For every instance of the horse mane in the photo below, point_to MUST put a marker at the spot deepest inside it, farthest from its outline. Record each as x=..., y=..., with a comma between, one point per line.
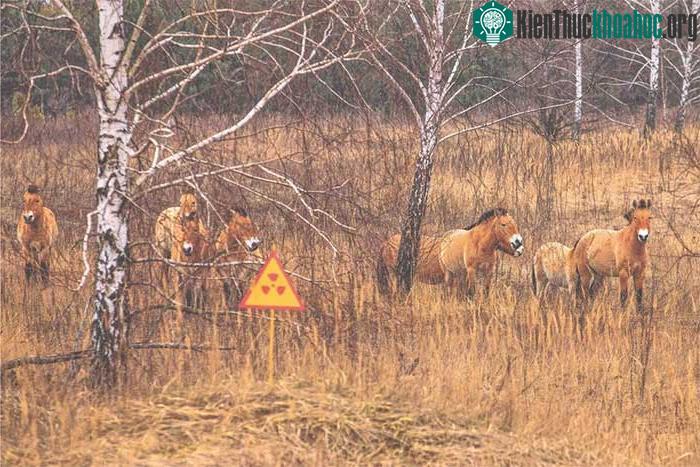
x=33, y=189
x=488, y=215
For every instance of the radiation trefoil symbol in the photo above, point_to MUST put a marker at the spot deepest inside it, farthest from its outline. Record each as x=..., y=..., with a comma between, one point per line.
x=493, y=23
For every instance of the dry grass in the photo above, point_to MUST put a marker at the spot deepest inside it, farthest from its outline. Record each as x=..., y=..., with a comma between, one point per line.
x=500, y=380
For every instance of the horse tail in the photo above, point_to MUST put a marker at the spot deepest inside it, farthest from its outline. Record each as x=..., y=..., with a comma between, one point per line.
x=533, y=278
x=382, y=275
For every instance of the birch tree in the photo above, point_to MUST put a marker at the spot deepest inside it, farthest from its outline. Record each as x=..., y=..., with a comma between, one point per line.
x=654, y=69
x=578, y=104
x=688, y=69
x=140, y=71
x=425, y=65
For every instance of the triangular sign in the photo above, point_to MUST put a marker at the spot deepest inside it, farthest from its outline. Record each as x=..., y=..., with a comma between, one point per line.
x=271, y=289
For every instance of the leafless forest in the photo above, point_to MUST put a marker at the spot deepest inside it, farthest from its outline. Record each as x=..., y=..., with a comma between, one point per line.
x=333, y=125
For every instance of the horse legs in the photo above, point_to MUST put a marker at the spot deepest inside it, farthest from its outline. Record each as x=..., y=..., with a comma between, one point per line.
x=624, y=286
x=449, y=283
x=470, y=278
x=28, y=270
x=639, y=291
x=488, y=279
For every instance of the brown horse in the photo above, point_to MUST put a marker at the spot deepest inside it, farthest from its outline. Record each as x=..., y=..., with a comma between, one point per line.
x=473, y=250
x=458, y=251
x=553, y=266
x=169, y=218
x=36, y=231
x=190, y=245
x=237, y=242
x=616, y=253
x=428, y=268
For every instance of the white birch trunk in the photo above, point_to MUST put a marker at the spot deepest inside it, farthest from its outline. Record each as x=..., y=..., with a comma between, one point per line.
x=578, y=104
x=654, y=64
x=687, y=61
x=109, y=323
x=418, y=199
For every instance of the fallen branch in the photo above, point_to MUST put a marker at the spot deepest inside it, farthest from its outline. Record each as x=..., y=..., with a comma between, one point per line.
x=176, y=346
x=44, y=359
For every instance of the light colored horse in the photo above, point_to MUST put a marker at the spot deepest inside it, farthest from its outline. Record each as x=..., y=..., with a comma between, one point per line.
x=616, y=253
x=553, y=266
x=36, y=232
x=472, y=251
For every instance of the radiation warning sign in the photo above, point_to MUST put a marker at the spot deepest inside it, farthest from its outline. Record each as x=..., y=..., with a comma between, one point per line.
x=271, y=289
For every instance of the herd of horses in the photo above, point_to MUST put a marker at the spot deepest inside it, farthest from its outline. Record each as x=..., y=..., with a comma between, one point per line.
x=459, y=256
x=457, y=259
x=180, y=240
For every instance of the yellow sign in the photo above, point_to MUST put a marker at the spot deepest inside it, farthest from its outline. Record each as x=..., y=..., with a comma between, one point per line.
x=271, y=289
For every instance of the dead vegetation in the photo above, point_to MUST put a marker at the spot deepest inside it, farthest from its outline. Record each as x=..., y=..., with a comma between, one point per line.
x=434, y=379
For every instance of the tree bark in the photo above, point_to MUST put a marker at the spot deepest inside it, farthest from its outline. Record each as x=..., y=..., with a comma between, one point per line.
x=654, y=64
x=687, y=61
x=430, y=126
x=110, y=318
x=417, y=203
x=578, y=104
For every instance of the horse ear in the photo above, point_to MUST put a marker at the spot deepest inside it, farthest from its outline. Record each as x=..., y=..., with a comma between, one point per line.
x=648, y=203
x=634, y=204
x=628, y=216
x=33, y=189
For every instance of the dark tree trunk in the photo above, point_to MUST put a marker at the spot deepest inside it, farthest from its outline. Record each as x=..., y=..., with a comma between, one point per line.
x=417, y=203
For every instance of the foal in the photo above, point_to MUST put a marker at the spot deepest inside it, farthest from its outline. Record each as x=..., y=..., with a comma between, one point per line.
x=36, y=231
x=472, y=251
x=616, y=253
x=553, y=265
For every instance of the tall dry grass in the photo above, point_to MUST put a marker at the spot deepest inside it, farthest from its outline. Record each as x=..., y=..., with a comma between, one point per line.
x=499, y=380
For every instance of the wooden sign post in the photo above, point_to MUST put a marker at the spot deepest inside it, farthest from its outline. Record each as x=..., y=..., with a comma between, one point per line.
x=272, y=290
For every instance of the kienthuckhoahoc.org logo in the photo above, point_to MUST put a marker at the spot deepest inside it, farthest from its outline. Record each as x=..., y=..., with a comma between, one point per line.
x=493, y=24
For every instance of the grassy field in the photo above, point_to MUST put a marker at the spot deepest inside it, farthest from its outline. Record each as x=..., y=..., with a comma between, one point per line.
x=504, y=379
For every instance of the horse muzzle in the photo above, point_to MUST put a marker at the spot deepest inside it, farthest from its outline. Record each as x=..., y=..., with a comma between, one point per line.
x=187, y=249
x=252, y=244
x=29, y=217
x=643, y=235
x=516, y=243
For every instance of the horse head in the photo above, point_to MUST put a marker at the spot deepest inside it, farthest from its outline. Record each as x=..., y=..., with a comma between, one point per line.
x=242, y=231
x=506, y=231
x=639, y=217
x=33, y=206
x=188, y=205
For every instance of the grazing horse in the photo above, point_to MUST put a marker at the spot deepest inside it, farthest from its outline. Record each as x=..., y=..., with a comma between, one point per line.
x=616, y=253
x=190, y=245
x=36, y=231
x=171, y=217
x=473, y=250
x=238, y=241
x=428, y=269
x=553, y=265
